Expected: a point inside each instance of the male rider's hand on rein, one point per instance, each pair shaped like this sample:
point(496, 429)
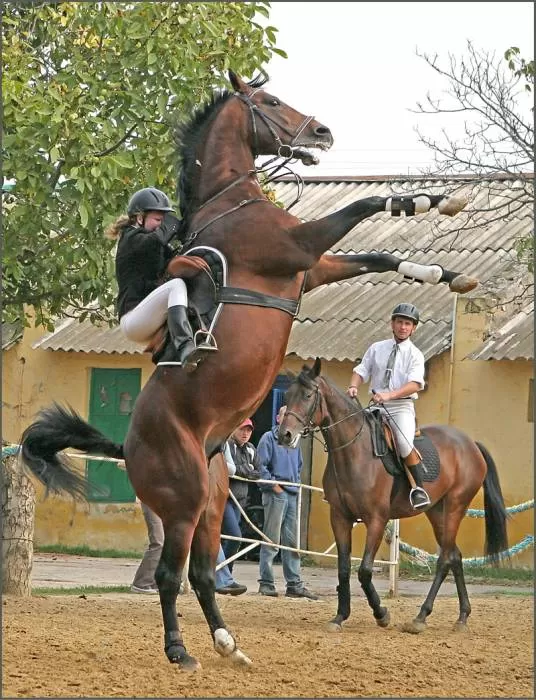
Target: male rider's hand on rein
point(381, 396)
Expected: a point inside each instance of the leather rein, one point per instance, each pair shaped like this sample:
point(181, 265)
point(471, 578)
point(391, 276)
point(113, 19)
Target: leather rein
point(310, 428)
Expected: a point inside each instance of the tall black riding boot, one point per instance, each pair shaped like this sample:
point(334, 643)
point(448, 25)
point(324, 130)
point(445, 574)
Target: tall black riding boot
point(182, 349)
point(418, 496)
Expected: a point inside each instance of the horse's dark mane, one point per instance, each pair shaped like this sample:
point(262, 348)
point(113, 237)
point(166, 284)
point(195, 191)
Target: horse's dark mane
point(187, 135)
point(350, 404)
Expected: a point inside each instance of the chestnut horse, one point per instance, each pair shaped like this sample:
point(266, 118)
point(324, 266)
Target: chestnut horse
point(357, 486)
point(181, 419)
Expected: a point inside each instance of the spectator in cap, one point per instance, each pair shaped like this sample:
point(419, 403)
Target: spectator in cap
point(244, 456)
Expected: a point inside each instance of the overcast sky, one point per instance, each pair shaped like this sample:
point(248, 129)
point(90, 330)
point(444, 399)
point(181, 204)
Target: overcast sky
point(354, 66)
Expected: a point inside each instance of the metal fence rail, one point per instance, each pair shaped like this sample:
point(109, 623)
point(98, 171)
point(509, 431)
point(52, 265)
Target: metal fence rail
point(392, 531)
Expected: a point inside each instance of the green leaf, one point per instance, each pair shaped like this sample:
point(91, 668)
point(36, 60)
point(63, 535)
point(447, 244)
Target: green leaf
point(84, 216)
point(112, 65)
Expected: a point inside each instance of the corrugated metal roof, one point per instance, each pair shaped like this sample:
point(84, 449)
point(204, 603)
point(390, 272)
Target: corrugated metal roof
point(348, 340)
point(11, 334)
point(340, 320)
point(513, 340)
point(72, 335)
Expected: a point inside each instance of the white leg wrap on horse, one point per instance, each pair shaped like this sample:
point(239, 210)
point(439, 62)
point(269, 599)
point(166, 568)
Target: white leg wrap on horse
point(423, 273)
point(422, 204)
point(224, 642)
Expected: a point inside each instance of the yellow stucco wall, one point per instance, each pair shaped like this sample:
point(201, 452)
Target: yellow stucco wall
point(486, 399)
point(33, 379)
point(489, 401)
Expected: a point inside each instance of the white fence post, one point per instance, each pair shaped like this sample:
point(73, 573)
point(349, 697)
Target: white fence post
point(394, 559)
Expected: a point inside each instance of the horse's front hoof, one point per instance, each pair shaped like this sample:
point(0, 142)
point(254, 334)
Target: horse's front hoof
point(385, 619)
point(183, 660)
point(463, 284)
point(459, 627)
point(240, 659)
point(333, 626)
point(450, 206)
point(414, 627)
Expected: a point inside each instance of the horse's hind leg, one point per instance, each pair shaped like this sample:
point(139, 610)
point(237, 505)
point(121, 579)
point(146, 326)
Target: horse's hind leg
point(445, 525)
point(203, 554)
point(459, 578)
point(177, 537)
point(375, 531)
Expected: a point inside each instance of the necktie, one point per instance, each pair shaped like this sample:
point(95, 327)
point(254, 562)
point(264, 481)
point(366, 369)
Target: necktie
point(390, 364)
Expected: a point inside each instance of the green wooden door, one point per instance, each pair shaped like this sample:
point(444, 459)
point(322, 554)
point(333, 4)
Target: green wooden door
point(111, 400)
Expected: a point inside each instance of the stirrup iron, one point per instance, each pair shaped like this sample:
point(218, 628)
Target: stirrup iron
point(421, 491)
point(208, 342)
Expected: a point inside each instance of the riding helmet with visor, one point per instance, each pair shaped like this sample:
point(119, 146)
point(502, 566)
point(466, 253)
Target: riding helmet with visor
point(406, 311)
point(148, 199)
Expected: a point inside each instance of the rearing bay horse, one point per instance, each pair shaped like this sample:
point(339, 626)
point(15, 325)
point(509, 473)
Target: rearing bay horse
point(180, 419)
point(357, 486)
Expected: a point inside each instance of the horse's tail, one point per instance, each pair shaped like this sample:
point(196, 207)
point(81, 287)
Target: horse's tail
point(55, 429)
point(494, 510)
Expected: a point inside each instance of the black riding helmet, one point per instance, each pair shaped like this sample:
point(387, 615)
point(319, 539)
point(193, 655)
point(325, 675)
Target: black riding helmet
point(148, 199)
point(406, 311)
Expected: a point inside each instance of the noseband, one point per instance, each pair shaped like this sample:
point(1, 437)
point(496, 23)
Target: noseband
point(307, 422)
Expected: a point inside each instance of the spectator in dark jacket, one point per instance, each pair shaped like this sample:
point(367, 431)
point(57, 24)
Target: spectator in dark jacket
point(244, 456)
point(280, 463)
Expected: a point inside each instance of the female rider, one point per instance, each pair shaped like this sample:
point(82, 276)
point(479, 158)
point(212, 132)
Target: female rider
point(144, 301)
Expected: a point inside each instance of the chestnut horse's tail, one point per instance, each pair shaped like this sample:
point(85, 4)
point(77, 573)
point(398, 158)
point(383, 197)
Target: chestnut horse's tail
point(494, 510)
point(55, 429)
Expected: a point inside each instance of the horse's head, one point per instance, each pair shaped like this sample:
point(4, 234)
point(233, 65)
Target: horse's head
point(276, 128)
point(304, 405)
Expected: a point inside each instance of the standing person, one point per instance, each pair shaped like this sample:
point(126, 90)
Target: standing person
point(224, 581)
point(145, 301)
point(280, 463)
point(144, 581)
point(395, 370)
point(244, 456)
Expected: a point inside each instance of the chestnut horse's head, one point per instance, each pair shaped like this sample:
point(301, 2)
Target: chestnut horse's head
point(276, 128)
point(304, 406)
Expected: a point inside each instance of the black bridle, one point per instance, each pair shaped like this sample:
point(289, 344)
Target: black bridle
point(309, 427)
point(255, 112)
point(284, 150)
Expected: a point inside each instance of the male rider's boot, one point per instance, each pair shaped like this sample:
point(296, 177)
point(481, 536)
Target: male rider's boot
point(182, 349)
point(418, 496)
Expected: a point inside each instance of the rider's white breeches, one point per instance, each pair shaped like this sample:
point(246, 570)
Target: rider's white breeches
point(140, 323)
point(401, 417)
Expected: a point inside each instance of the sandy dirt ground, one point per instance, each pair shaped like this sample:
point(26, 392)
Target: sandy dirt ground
point(111, 646)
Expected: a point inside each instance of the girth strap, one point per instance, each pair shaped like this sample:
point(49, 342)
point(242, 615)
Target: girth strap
point(235, 295)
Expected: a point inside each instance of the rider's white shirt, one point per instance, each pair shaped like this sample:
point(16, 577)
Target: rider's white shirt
point(409, 365)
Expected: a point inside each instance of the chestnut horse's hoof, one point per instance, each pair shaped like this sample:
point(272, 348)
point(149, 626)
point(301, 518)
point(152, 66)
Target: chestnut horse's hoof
point(460, 627)
point(450, 206)
point(183, 660)
point(414, 627)
point(240, 659)
point(385, 619)
point(333, 626)
point(463, 284)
